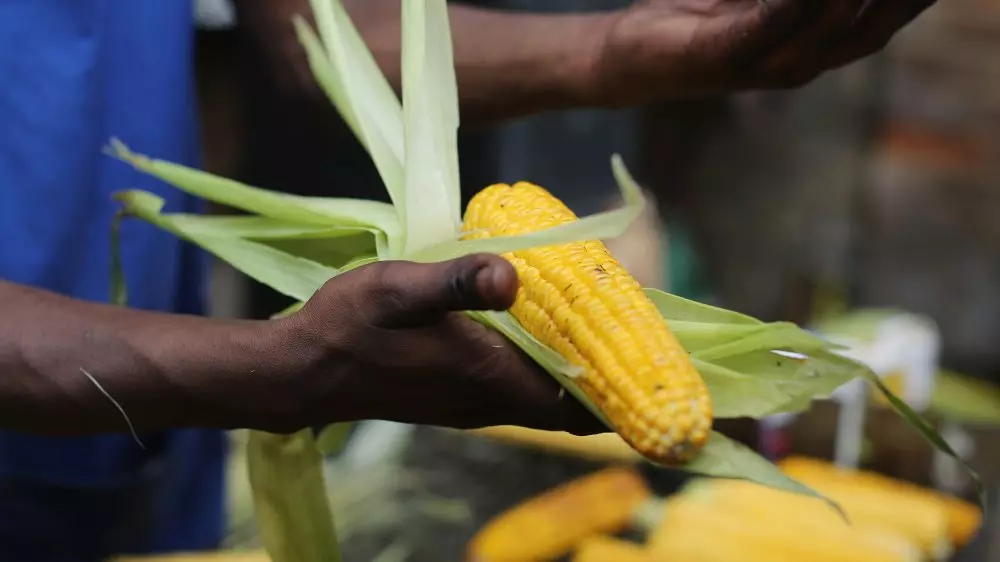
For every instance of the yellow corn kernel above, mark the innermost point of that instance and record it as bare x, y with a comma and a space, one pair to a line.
705, 526
609, 549
550, 525
964, 518
580, 301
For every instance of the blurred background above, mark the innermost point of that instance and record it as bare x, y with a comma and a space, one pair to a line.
866, 204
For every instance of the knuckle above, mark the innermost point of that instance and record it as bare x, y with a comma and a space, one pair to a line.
384, 285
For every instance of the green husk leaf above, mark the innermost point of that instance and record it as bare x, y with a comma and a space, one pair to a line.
700, 336
681, 309
441, 68
770, 337
608, 224
737, 395
295, 277
324, 73
366, 95
293, 513
264, 228
296, 209
334, 253
818, 374
430, 116
327, 245
332, 438
724, 458
928, 432
735, 355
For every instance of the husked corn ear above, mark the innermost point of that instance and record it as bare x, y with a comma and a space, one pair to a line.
964, 518
580, 301
703, 526
609, 549
550, 525
926, 524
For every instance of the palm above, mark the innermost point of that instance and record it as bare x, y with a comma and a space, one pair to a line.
667, 47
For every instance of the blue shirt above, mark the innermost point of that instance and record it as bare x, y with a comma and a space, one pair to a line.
73, 74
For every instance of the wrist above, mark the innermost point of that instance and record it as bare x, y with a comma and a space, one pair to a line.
586, 75
271, 362
513, 64
309, 379
223, 374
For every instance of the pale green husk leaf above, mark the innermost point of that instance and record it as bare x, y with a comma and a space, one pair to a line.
364, 94
293, 208
290, 275
430, 116
724, 458
293, 514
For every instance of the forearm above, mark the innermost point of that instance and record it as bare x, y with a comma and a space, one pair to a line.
163, 370
508, 64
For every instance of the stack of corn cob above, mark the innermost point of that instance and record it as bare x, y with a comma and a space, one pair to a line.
731, 521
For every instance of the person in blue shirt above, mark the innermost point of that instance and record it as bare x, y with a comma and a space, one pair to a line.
74, 485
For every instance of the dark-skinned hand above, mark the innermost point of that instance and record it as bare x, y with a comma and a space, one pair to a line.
664, 48
389, 341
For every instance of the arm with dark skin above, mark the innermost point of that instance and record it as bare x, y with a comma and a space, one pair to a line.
511, 64
165, 370
385, 341
508, 64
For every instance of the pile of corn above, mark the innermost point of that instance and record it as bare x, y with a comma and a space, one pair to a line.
731, 521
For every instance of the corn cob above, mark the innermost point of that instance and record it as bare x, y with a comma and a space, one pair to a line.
550, 525
579, 300
705, 526
602, 548
811, 518
926, 524
964, 518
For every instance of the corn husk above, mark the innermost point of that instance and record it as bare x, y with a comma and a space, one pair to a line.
294, 244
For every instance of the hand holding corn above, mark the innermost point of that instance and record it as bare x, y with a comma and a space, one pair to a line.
391, 338
384, 341
661, 48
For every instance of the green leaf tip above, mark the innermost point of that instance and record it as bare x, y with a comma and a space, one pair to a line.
928, 432
725, 458
599, 226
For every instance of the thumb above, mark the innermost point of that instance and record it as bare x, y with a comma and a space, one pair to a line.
416, 293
